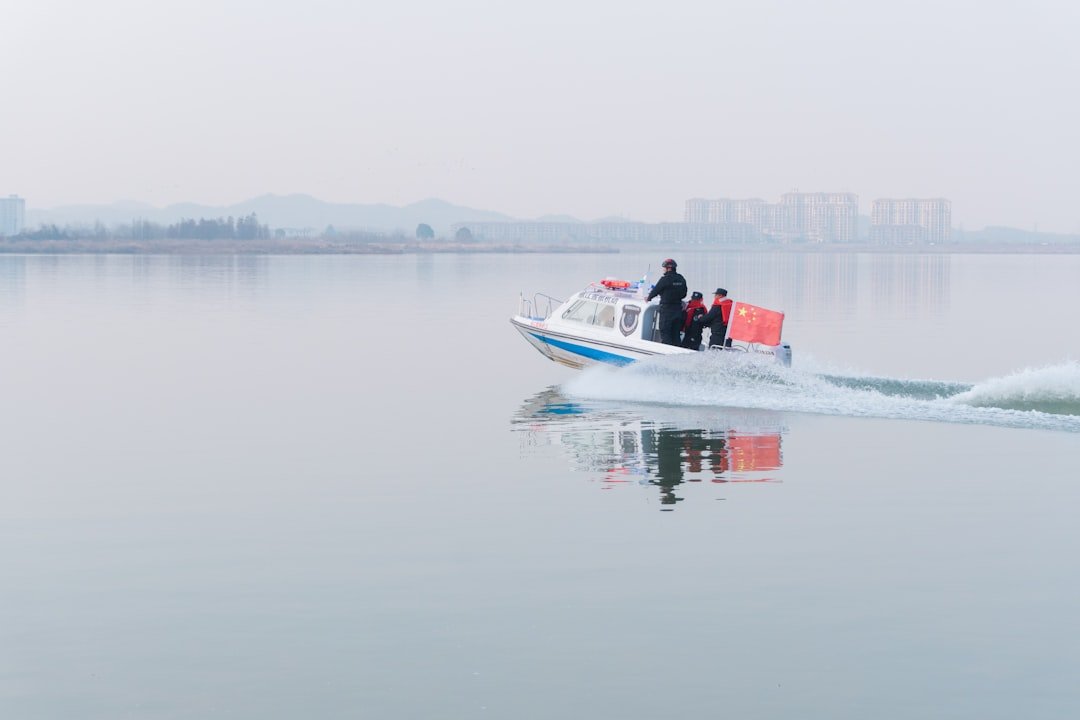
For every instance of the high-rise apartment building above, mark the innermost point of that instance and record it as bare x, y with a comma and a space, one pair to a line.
911, 221
816, 217
12, 215
822, 217
697, 211
751, 211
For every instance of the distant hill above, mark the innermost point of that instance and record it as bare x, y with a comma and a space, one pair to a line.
278, 211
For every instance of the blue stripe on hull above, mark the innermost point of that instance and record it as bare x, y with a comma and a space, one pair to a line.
591, 353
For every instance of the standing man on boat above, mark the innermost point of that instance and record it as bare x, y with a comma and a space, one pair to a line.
717, 318
671, 289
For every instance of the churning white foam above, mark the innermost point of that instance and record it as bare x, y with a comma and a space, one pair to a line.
1049, 395
1055, 388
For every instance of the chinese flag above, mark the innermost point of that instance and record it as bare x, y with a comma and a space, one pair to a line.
753, 324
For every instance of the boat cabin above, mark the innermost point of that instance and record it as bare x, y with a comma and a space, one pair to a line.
602, 307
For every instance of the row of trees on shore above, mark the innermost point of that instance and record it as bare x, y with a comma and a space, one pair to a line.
228, 228
243, 228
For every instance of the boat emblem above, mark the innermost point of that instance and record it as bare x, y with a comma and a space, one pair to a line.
628, 321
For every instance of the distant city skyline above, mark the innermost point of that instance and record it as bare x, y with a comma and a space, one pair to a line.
676, 214
797, 218
831, 217
591, 109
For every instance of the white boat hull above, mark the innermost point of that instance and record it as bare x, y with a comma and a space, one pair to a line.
577, 350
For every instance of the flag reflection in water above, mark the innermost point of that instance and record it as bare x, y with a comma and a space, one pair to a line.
653, 445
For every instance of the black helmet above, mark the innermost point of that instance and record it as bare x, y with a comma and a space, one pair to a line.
720, 291
669, 263
696, 295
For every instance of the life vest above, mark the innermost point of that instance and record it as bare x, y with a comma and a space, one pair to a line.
725, 308
693, 309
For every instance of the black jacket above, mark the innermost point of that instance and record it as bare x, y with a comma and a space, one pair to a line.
671, 288
714, 319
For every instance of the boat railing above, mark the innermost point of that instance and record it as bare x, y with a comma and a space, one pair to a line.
539, 308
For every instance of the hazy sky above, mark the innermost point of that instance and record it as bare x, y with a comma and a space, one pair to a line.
587, 108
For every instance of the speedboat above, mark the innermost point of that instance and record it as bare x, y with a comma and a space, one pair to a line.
609, 322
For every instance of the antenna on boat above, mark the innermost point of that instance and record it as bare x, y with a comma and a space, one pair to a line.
644, 281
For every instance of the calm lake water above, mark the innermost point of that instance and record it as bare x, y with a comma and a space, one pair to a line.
344, 487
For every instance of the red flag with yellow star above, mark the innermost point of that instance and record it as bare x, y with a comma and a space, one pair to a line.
753, 324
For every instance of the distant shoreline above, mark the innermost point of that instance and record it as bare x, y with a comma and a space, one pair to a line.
273, 247
322, 247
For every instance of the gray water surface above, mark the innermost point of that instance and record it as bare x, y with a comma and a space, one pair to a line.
342, 487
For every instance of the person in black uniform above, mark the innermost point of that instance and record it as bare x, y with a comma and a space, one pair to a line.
671, 289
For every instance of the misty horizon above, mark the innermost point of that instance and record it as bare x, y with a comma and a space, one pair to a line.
285, 211
591, 111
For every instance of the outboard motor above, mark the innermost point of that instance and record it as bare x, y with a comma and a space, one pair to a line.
783, 354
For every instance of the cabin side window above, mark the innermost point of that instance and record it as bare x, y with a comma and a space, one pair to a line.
591, 313
605, 316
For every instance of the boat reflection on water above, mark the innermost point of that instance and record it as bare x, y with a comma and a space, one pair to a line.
655, 445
